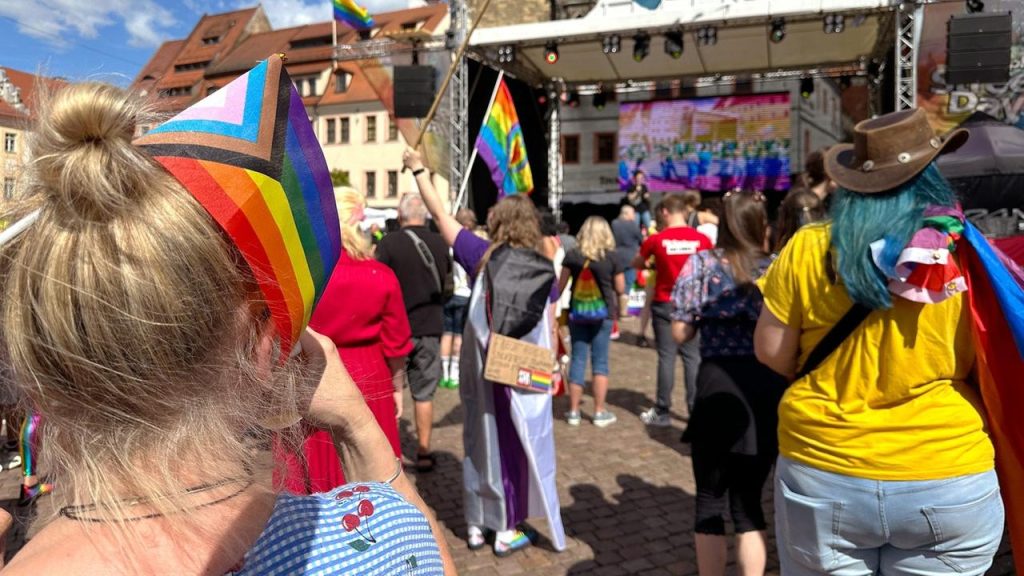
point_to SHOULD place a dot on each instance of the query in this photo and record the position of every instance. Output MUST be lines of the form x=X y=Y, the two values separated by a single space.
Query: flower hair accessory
x=248 y=155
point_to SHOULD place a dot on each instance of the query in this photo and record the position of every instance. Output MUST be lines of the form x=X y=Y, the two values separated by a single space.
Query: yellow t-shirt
x=893 y=401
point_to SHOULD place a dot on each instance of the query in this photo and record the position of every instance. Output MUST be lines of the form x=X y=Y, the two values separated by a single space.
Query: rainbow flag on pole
x=352 y=14
x=502 y=147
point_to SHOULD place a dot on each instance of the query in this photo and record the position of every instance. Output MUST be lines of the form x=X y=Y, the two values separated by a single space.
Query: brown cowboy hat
x=888 y=151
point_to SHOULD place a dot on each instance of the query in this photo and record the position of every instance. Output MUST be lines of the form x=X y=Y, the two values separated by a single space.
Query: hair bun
x=82 y=158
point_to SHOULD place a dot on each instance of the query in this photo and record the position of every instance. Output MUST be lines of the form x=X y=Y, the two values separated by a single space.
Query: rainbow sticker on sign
x=534 y=380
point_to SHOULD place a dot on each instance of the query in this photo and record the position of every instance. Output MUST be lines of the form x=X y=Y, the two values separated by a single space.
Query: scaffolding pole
x=458 y=102
x=909 y=20
x=555 y=160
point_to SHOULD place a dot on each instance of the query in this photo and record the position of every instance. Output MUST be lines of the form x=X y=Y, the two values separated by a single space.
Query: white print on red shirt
x=680 y=247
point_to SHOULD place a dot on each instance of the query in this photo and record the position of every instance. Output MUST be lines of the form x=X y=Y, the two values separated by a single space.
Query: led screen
x=709 y=144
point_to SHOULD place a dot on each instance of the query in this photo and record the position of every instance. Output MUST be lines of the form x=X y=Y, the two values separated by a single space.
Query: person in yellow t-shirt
x=885 y=465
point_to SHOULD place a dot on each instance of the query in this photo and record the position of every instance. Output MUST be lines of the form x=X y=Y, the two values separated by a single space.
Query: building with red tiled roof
x=354 y=127
x=19 y=92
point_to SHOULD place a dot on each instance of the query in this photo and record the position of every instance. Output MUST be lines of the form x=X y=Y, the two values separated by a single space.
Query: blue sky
x=110 y=40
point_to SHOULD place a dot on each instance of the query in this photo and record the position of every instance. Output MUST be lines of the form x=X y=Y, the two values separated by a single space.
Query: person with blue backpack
x=598 y=281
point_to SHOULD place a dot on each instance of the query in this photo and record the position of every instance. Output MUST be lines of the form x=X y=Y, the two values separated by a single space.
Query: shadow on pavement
x=641 y=527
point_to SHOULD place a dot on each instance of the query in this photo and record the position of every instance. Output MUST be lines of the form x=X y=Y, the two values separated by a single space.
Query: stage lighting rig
x=611 y=44
x=551 y=52
x=641 y=46
x=572 y=99
x=806 y=87
x=674 y=44
x=778 y=33
x=506 y=54
x=834 y=23
x=707 y=36
x=600 y=99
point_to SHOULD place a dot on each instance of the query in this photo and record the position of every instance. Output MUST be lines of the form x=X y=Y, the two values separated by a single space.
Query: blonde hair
x=130 y=323
x=596 y=238
x=350 y=201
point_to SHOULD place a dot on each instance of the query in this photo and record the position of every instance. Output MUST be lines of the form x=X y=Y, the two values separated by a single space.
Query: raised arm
x=446 y=224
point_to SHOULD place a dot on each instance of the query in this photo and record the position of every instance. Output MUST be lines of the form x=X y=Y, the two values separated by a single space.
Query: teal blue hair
x=860 y=219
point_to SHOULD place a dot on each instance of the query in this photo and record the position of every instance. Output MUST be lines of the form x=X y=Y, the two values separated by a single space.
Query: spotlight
x=975 y=6
x=506 y=54
x=778 y=30
x=834 y=23
x=611 y=44
x=551 y=52
x=707 y=36
x=600 y=99
x=641 y=46
x=806 y=87
x=674 y=44
x=572 y=99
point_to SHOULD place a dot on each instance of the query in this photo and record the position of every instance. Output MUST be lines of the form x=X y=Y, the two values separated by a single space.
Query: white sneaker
x=654 y=418
x=603 y=419
x=572 y=418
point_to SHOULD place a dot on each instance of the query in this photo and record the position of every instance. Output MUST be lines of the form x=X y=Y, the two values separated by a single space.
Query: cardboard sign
x=519 y=364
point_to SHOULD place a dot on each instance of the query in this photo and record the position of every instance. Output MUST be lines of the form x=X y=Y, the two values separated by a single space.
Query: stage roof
x=743 y=39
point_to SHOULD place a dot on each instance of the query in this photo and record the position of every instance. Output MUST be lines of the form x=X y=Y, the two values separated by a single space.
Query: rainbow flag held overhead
x=248 y=155
x=352 y=14
x=502 y=147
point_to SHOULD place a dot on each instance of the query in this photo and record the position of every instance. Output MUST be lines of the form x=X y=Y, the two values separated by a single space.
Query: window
x=211 y=90
x=8 y=188
x=10 y=140
x=571 y=149
x=191 y=66
x=371 y=184
x=310 y=42
x=392 y=184
x=392 y=129
x=604 y=148
x=312 y=86
x=341 y=81
x=344 y=130
x=179 y=91
x=371 y=128
x=330 y=130
x=210 y=40
x=365 y=34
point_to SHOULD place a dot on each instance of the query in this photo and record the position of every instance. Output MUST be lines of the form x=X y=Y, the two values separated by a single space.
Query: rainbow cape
x=502 y=147
x=926 y=272
x=352 y=14
x=248 y=154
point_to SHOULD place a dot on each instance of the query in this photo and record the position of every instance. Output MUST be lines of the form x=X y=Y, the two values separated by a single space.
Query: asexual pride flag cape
x=502 y=147
x=248 y=154
x=996 y=294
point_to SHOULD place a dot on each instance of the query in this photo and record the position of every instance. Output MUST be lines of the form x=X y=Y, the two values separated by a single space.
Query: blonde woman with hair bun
x=132 y=324
x=598 y=281
x=373 y=339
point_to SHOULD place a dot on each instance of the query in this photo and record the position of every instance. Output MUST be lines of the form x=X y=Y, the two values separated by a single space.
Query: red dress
x=363 y=313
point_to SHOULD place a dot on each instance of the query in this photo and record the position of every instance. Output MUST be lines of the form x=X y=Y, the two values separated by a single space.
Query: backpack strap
x=853 y=318
x=426 y=256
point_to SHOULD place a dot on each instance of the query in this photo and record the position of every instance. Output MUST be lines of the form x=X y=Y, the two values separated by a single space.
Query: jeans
x=592 y=338
x=645 y=219
x=661 y=313
x=630 y=277
x=829 y=523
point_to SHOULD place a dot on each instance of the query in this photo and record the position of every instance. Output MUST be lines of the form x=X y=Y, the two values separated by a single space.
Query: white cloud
x=58 y=21
x=285 y=13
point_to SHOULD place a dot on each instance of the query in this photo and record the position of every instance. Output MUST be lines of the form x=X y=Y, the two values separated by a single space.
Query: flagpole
x=472 y=159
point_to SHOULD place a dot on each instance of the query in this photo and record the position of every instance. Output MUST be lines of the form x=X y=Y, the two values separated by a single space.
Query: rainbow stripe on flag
x=352 y=14
x=502 y=147
x=248 y=154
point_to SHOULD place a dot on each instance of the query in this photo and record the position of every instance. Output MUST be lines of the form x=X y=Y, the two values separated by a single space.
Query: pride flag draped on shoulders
x=352 y=14
x=502 y=147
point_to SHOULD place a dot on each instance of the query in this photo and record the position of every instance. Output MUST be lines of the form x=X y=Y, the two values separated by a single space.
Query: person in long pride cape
x=889 y=437
x=509 y=469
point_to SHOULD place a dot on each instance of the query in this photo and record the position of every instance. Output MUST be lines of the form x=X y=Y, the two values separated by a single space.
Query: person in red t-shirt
x=671 y=248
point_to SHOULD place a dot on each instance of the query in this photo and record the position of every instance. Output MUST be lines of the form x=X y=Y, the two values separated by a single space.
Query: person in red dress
x=363 y=313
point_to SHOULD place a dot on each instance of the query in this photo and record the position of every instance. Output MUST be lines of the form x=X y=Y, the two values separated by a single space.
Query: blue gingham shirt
x=364 y=528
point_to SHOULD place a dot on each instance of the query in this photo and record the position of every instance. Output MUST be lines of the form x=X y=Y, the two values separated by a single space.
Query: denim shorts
x=829 y=523
x=593 y=339
x=455 y=310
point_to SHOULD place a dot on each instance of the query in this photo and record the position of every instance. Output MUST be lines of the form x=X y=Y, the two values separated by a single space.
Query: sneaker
x=476 y=539
x=643 y=342
x=572 y=417
x=603 y=419
x=518 y=540
x=444 y=383
x=654 y=418
x=615 y=330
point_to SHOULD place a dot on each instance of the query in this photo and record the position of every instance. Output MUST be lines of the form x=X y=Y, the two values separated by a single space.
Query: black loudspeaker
x=414 y=90
x=979 y=48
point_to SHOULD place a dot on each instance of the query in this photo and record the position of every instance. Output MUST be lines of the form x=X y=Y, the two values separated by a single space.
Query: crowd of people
x=134 y=334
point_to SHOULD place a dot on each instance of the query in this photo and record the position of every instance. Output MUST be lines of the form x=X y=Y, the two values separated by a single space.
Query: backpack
x=587 y=305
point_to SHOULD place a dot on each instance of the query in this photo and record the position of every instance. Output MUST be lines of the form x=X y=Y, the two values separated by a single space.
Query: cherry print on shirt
x=352 y=522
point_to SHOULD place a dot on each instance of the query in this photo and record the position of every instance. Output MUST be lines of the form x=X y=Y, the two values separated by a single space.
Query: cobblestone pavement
x=626 y=491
